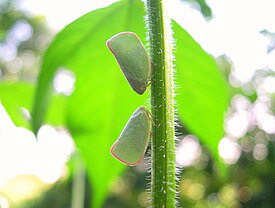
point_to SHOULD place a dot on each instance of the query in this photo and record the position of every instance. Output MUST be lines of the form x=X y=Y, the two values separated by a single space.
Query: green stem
x=163 y=182
x=79 y=182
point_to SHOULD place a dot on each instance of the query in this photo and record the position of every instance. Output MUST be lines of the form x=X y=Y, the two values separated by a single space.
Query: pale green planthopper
x=132 y=143
x=132 y=58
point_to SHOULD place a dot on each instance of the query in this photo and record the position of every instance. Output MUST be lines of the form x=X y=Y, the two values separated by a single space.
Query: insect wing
x=132 y=58
x=132 y=143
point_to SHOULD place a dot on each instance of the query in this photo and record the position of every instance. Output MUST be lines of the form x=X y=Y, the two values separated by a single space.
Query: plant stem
x=163 y=170
x=79 y=182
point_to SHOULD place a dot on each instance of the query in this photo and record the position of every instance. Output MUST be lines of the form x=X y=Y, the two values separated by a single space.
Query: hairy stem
x=163 y=182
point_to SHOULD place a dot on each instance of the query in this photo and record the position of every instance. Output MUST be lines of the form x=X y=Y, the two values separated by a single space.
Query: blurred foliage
x=38 y=194
x=250 y=179
x=12 y=190
x=23 y=38
x=271 y=39
x=62 y=189
x=202 y=6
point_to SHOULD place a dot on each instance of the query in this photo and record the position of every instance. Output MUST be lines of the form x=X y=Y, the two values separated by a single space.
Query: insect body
x=132 y=58
x=132 y=143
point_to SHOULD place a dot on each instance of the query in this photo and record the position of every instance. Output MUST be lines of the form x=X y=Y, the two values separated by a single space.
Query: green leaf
x=16 y=96
x=102 y=101
x=202 y=93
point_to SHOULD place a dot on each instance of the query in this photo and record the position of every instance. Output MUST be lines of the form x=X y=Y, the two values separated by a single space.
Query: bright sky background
x=233 y=31
x=61 y=12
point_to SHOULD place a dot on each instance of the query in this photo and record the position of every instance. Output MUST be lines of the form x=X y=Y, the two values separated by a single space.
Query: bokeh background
x=48 y=170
